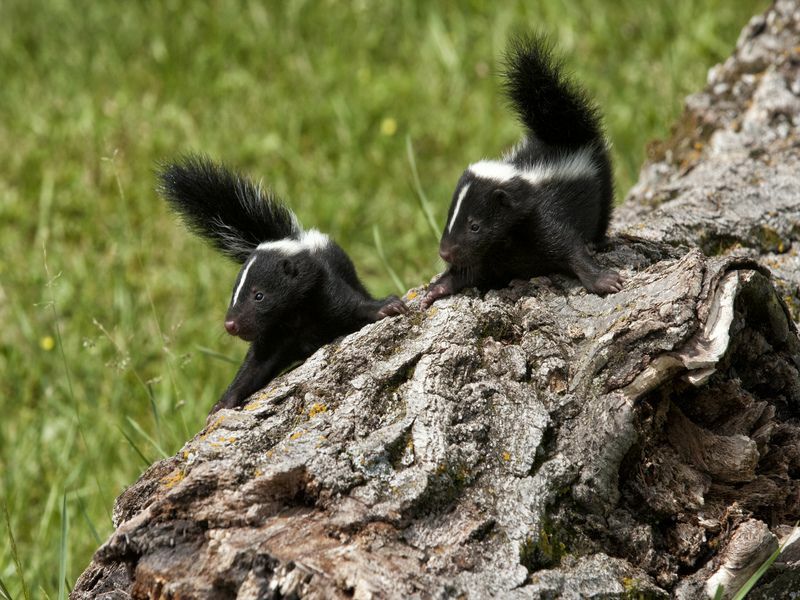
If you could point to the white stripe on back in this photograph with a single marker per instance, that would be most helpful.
(241, 281)
(314, 240)
(311, 240)
(570, 166)
(458, 207)
(285, 246)
(494, 169)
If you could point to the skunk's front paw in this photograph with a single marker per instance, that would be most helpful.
(224, 402)
(392, 307)
(436, 291)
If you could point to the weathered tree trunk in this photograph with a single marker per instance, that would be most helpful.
(537, 441)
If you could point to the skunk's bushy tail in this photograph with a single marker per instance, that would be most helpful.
(552, 107)
(229, 210)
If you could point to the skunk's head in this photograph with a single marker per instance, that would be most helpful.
(485, 206)
(275, 279)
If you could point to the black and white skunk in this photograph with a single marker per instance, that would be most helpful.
(297, 290)
(536, 209)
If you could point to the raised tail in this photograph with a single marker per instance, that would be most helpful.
(229, 210)
(552, 107)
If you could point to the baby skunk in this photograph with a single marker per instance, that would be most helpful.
(297, 290)
(535, 210)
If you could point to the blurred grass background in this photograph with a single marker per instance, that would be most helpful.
(106, 301)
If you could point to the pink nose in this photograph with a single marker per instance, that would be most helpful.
(231, 327)
(447, 255)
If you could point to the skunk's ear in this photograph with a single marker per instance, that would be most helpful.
(502, 197)
(289, 267)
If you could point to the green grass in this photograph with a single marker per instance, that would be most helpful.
(111, 312)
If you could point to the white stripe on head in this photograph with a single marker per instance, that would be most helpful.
(493, 169)
(242, 280)
(458, 206)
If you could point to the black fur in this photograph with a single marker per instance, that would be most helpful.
(551, 107)
(534, 211)
(299, 292)
(229, 210)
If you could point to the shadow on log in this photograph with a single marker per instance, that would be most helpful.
(536, 441)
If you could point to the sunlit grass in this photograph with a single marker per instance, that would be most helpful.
(362, 116)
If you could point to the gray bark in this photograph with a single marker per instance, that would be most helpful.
(536, 441)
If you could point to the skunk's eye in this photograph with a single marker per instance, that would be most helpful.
(259, 296)
(474, 227)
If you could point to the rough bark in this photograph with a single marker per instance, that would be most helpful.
(536, 441)
(727, 180)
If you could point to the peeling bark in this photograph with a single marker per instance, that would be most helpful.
(536, 441)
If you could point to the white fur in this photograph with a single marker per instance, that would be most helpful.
(509, 154)
(458, 206)
(311, 240)
(242, 280)
(314, 240)
(494, 169)
(570, 166)
(286, 246)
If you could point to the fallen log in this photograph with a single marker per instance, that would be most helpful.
(535, 441)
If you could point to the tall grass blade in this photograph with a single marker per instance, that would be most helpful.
(50, 507)
(217, 355)
(92, 529)
(750, 583)
(154, 409)
(423, 199)
(376, 235)
(745, 589)
(147, 462)
(59, 340)
(62, 552)
(15, 554)
(57, 322)
(4, 593)
(164, 348)
(145, 435)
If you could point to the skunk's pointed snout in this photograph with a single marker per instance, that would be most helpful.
(231, 327)
(448, 253)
